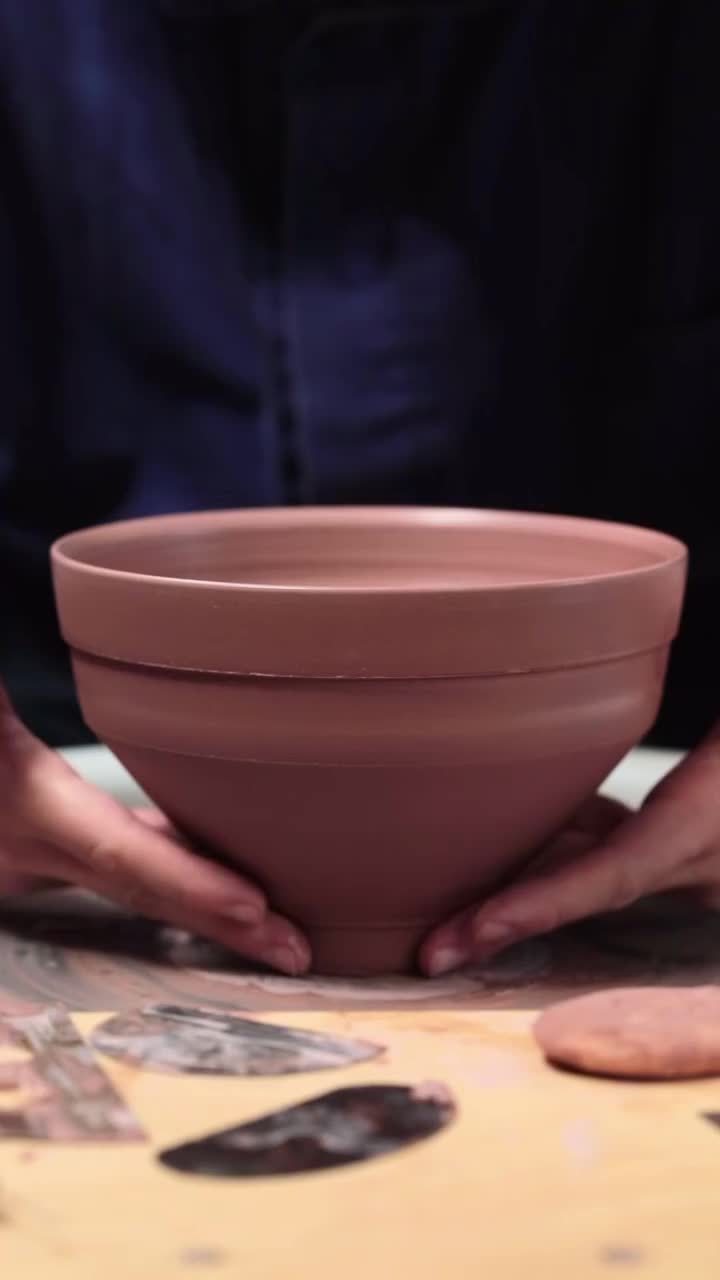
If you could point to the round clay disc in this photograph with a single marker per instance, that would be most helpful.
(640, 1033)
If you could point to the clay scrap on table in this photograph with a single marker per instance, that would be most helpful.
(176, 1039)
(62, 1093)
(638, 1033)
(340, 1128)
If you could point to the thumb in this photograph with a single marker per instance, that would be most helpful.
(666, 845)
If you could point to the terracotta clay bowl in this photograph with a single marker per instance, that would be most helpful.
(377, 713)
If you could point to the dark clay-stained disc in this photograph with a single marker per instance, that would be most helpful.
(666, 929)
(340, 1128)
(177, 1040)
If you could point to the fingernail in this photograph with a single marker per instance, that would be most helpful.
(444, 960)
(287, 959)
(245, 912)
(494, 933)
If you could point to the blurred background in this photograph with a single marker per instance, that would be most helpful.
(270, 253)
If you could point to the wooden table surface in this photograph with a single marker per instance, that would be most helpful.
(542, 1174)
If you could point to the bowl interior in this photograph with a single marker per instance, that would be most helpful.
(371, 549)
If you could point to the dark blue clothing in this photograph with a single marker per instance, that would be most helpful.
(450, 252)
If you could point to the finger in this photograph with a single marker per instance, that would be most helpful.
(113, 844)
(153, 818)
(667, 845)
(159, 821)
(449, 947)
(274, 941)
(454, 944)
(29, 861)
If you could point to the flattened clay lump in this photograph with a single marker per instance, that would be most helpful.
(641, 1033)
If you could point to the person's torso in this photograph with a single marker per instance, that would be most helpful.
(433, 252)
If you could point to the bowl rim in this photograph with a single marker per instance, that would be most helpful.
(66, 551)
(329, 632)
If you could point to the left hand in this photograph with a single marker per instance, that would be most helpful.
(605, 859)
(55, 827)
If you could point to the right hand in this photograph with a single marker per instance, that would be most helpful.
(55, 827)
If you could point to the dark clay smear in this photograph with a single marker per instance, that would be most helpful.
(335, 1129)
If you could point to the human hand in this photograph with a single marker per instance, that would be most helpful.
(605, 859)
(56, 827)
